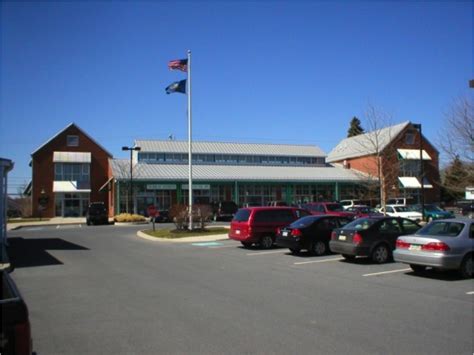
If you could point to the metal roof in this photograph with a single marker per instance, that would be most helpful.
(179, 172)
(365, 144)
(171, 146)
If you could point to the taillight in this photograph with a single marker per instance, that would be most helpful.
(333, 235)
(296, 233)
(357, 239)
(435, 246)
(402, 245)
(23, 338)
(278, 230)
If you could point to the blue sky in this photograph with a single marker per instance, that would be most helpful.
(292, 72)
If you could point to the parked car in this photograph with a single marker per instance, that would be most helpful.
(15, 333)
(374, 237)
(333, 208)
(260, 224)
(468, 210)
(311, 233)
(224, 210)
(442, 244)
(162, 216)
(433, 212)
(346, 204)
(97, 214)
(401, 211)
(401, 201)
(364, 211)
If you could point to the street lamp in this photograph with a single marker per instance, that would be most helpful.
(131, 149)
(422, 197)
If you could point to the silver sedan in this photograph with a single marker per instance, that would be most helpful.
(446, 244)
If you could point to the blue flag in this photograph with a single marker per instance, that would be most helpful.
(177, 86)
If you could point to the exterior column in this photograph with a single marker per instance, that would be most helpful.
(236, 193)
(288, 194)
(117, 198)
(179, 194)
(336, 191)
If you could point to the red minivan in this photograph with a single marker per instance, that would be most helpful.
(259, 225)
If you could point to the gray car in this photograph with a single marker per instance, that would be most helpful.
(446, 244)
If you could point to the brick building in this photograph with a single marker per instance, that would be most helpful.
(395, 150)
(68, 172)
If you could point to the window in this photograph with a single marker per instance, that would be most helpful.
(71, 172)
(410, 138)
(409, 226)
(390, 226)
(72, 141)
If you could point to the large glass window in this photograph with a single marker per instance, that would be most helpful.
(71, 172)
(409, 167)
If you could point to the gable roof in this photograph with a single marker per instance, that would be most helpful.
(364, 144)
(168, 146)
(72, 124)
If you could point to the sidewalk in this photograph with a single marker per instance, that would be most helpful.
(51, 222)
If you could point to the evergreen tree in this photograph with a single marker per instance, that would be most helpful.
(355, 128)
(456, 178)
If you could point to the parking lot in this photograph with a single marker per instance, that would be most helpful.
(104, 290)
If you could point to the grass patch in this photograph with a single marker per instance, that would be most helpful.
(23, 220)
(174, 234)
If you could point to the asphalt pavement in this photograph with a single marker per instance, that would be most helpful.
(103, 290)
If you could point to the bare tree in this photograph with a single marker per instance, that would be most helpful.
(457, 142)
(457, 135)
(381, 162)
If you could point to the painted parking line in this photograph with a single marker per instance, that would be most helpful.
(34, 229)
(317, 261)
(387, 272)
(470, 293)
(268, 252)
(224, 246)
(207, 244)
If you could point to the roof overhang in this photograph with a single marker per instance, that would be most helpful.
(410, 182)
(72, 157)
(70, 186)
(413, 154)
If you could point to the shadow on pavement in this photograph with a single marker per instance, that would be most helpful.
(433, 274)
(32, 252)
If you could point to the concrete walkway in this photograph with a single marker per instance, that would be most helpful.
(51, 222)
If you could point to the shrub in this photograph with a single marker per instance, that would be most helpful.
(128, 217)
(202, 214)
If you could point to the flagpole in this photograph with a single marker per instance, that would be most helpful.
(190, 145)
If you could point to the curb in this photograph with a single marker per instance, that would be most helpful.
(210, 238)
(130, 223)
(42, 225)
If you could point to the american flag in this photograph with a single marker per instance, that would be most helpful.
(180, 64)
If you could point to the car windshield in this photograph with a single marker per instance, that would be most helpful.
(303, 222)
(242, 215)
(442, 228)
(334, 207)
(360, 224)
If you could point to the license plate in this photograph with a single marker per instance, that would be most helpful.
(285, 234)
(414, 247)
(237, 231)
(342, 237)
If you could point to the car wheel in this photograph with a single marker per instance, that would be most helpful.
(466, 267)
(417, 268)
(348, 257)
(380, 254)
(246, 244)
(294, 251)
(318, 248)
(266, 242)
(88, 222)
